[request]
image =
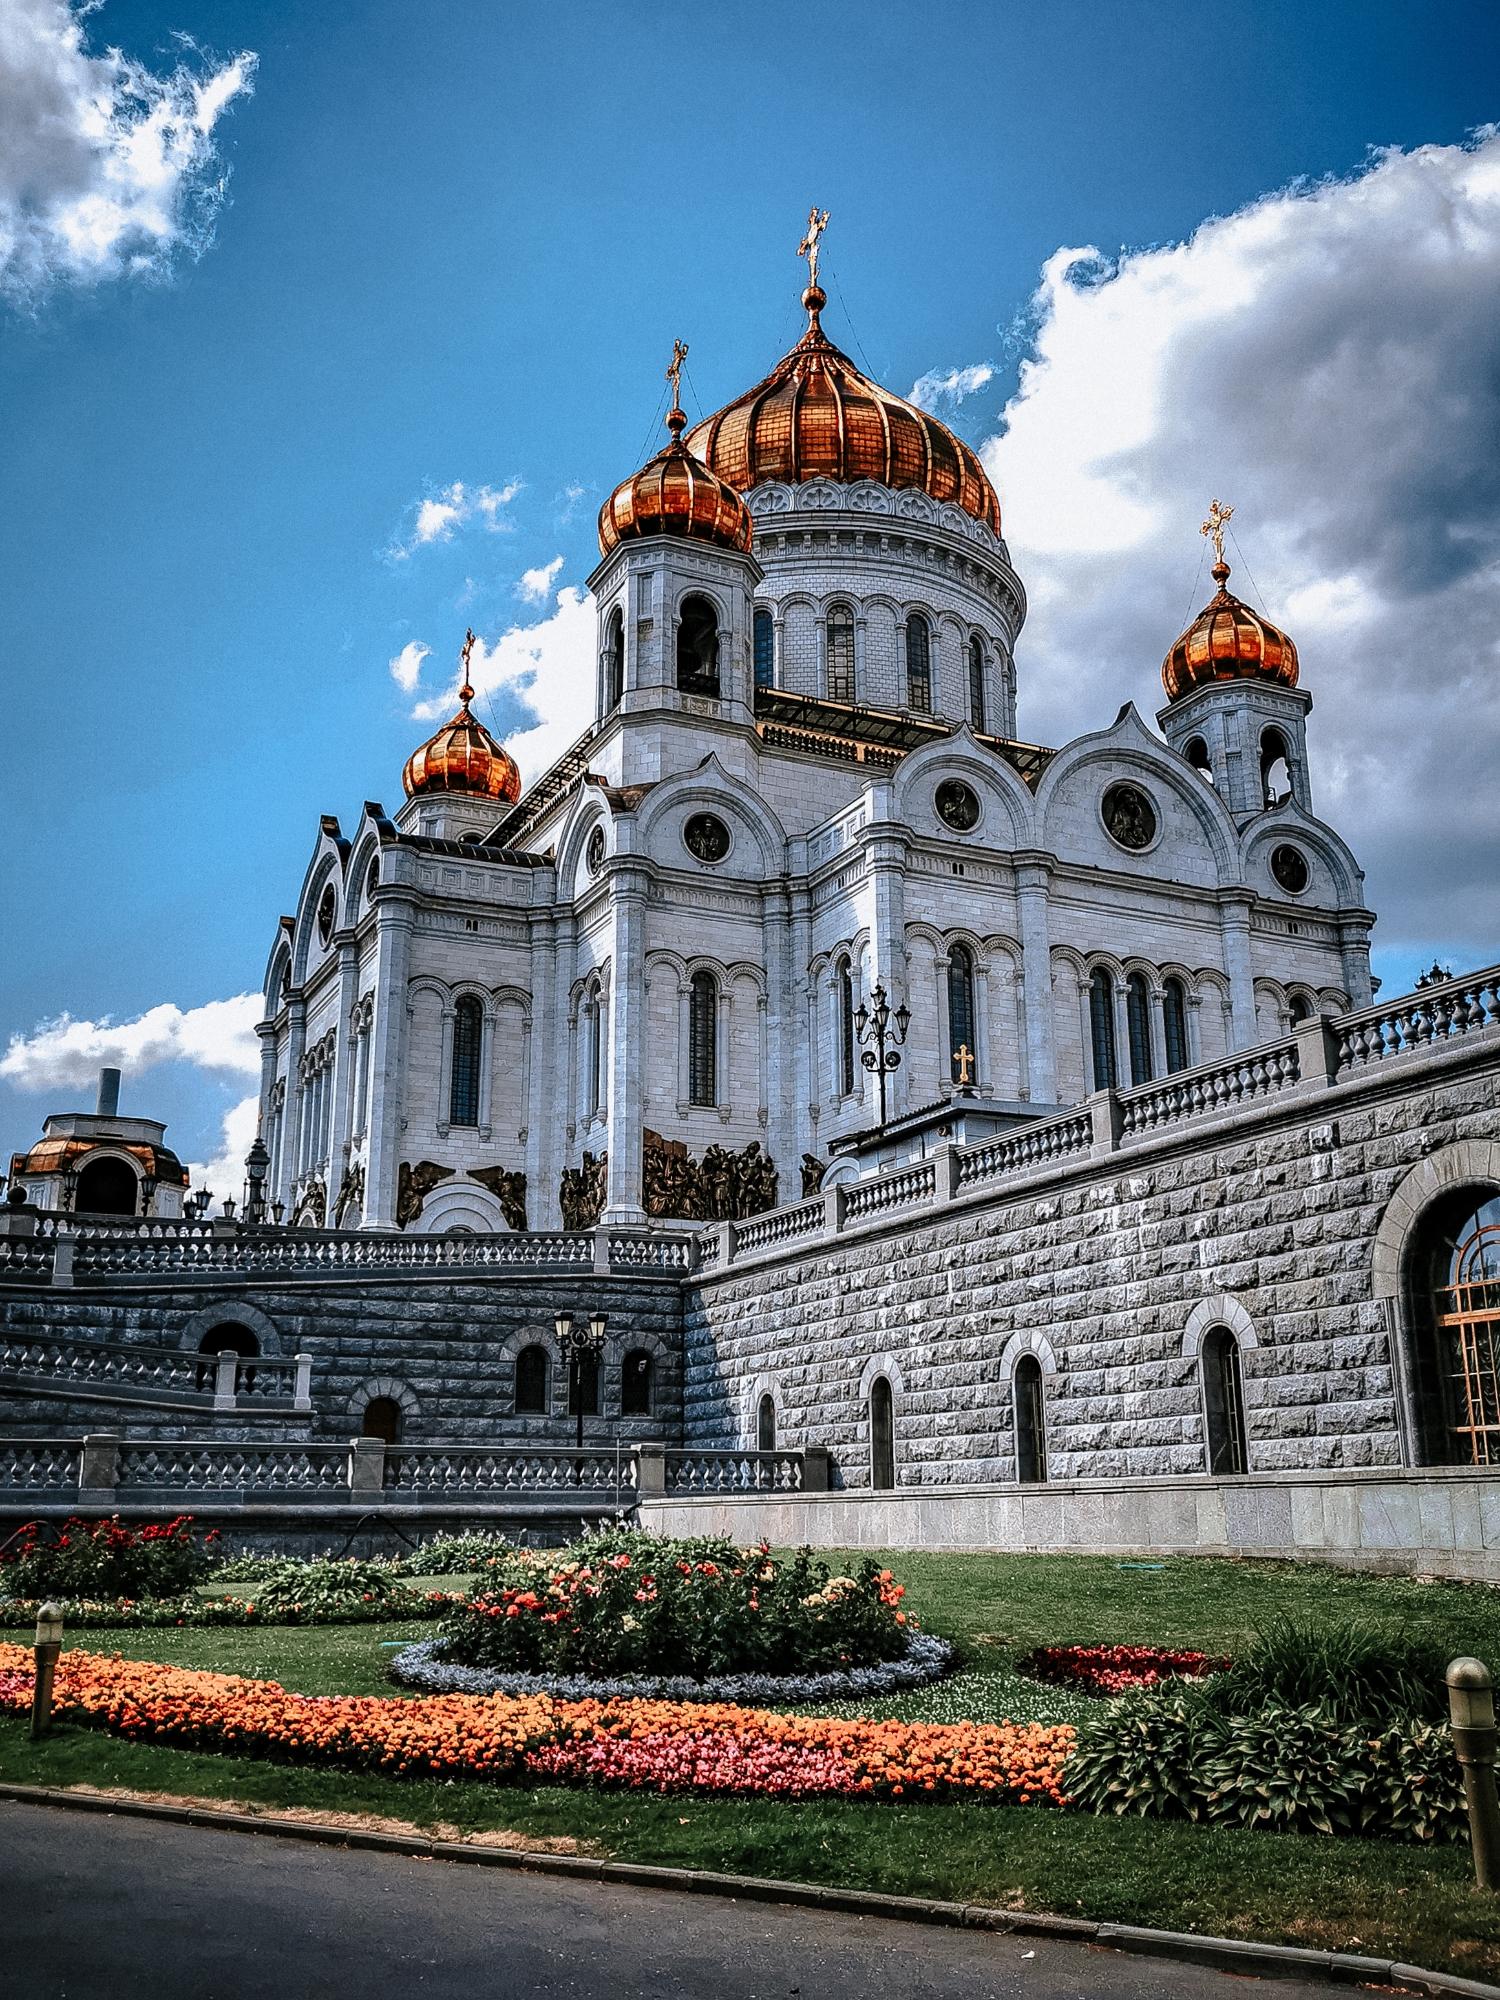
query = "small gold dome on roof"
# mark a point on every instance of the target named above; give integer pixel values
(1227, 640)
(463, 756)
(675, 494)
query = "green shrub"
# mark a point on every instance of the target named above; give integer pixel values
(452, 1555)
(325, 1587)
(624, 1603)
(105, 1559)
(1362, 1672)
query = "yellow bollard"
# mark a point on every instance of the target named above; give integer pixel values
(49, 1633)
(1471, 1710)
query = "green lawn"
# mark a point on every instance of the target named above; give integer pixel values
(1344, 1894)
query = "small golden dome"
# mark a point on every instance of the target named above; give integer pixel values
(1228, 641)
(675, 494)
(463, 756)
(815, 416)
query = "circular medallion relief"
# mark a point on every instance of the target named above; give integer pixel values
(326, 908)
(706, 837)
(1129, 817)
(593, 855)
(957, 805)
(1289, 868)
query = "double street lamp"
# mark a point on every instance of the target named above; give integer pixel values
(882, 1032)
(580, 1344)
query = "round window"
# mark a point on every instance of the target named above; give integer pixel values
(326, 908)
(957, 805)
(1129, 817)
(1289, 868)
(706, 837)
(594, 853)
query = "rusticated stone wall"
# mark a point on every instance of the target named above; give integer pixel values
(1109, 1270)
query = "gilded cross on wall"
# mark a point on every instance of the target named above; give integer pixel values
(1218, 520)
(963, 1055)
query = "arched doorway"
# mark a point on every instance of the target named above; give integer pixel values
(882, 1435)
(1224, 1402)
(228, 1337)
(1455, 1309)
(382, 1419)
(108, 1186)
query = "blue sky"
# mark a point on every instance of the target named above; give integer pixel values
(456, 245)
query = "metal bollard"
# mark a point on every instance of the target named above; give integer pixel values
(1471, 1710)
(49, 1633)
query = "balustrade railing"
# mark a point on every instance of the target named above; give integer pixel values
(779, 1225)
(476, 1471)
(1220, 1086)
(689, 1472)
(899, 1188)
(183, 1470)
(1418, 1021)
(1031, 1146)
(166, 1374)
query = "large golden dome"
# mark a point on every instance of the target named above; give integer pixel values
(1228, 641)
(676, 494)
(463, 756)
(815, 416)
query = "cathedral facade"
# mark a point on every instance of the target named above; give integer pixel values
(645, 988)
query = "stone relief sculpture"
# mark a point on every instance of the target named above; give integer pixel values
(351, 1197)
(582, 1191)
(413, 1185)
(721, 1187)
(508, 1188)
(312, 1209)
(813, 1171)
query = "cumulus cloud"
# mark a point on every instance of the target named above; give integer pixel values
(1328, 359)
(406, 668)
(225, 1172)
(106, 167)
(549, 668)
(439, 516)
(536, 584)
(64, 1052)
(945, 388)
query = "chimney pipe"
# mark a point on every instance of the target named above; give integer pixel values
(109, 1094)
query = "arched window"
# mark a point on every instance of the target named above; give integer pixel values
(962, 1054)
(698, 647)
(765, 1423)
(841, 653)
(1300, 1008)
(583, 1386)
(1224, 1402)
(846, 1028)
(1196, 752)
(918, 664)
(468, 1038)
(1456, 1371)
(1275, 768)
(882, 1436)
(1102, 1029)
(1174, 1021)
(703, 1039)
(976, 683)
(1138, 1024)
(533, 1381)
(635, 1383)
(593, 1050)
(382, 1419)
(765, 649)
(614, 659)
(1031, 1422)
(108, 1187)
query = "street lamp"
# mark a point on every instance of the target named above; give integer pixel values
(873, 1025)
(578, 1344)
(257, 1166)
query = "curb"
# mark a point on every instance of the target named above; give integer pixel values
(1266, 1961)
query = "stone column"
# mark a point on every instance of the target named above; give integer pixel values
(780, 1094)
(1033, 889)
(291, 1110)
(552, 1106)
(1236, 924)
(1158, 1032)
(887, 857)
(800, 1029)
(341, 1123)
(627, 1050)
(396, 921)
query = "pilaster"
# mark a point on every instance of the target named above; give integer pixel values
(397, 921)
(1033, 892)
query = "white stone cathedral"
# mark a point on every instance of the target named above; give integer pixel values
(620, 995)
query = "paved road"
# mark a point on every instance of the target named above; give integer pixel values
(100, 1908)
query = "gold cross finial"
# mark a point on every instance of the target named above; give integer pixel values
(817, 222)
(1218, 520)
(466, 692)
(674, 373)
(963, 1055)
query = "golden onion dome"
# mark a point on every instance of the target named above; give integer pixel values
(815, 416)
(1228, 641)
(675, 494)
(463, 756)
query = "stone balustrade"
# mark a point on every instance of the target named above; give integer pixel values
(1418, 1021)
(44, 1364)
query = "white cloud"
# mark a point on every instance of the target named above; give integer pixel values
(106, 167)
(1328, 360)
(225, 1173)
(406, 668)
(457, 506)
(548, 666)
(536, 584)
(945, 388)
(62, 1053)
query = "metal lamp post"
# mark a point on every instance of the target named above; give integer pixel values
(883, 1033)
(578, 1343)
(49, 1634)
(257, 1166)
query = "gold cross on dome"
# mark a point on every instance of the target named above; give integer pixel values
(466, 692)
(1218, 520)
(674, 373)
(816, 223)
(963, 1055)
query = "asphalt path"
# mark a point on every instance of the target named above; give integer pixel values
(94, 1907)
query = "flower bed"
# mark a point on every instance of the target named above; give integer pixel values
(103, 1558)
(926, 1659)
(124, 1614)
(639, 1745)
(1111, 1670)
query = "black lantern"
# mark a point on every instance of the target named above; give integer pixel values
(883, 1033)
(579, 1343)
